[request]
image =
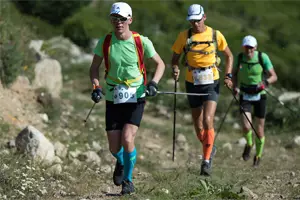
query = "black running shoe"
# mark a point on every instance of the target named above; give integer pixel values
(256, 161)
(118, 174)
(205, 169)
(127, 187)
(247, 151)
(212, 154)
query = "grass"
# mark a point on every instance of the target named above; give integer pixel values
(179, 180)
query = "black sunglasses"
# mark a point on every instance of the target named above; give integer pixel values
(249, 47)
(118, 19)
(196, 20)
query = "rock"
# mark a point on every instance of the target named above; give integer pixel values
(96, 146)
(36, 45)
(182, 142)
(293, 174)
(165, 190)
(297, 140)
(227, 146)
(236, 126)
(60, 149)
(267, 177)
(241, 142)
(48, 75)
(90, 157)
(44, 117)
(21, 84)
(55, 169)
(285, 157)
(74, 154)
(4, 152)
(34, 143)
(11, 144)
(105, 169)
(248, 193)
(57, 160)
(288, 96)
(76, 163)
(141, 157)
(152, 146)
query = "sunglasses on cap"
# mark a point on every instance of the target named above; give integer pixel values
(118, 19)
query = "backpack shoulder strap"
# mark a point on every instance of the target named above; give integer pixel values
(260, 60)
(188, 41)
(239, 61)
(189, 33)
(214, 38)
(215, 41)
(140, 53)
(106, 51)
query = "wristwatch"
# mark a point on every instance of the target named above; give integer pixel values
(229, 76)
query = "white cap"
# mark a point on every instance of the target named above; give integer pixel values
(249, 40)
(121, 8)
(195, 12)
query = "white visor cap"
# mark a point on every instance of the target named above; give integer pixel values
(195, 12)
(121, 8)
(249, 40)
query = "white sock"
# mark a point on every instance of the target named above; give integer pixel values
(206, 161)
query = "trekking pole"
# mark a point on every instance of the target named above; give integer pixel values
(219, 129)
(281, 102)
(183, 93)
(243, 111)
(89, 113)
(174, 119)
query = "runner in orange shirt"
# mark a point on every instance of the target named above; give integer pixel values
(199, 45)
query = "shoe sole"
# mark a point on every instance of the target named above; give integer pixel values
(116, 184)
(131, 193)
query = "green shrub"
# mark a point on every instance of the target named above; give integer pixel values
(75, 31)
(52, 11)
(15, 57)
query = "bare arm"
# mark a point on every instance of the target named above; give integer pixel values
(94, 70)
(160, 68)
(272, 76)
(229, 60)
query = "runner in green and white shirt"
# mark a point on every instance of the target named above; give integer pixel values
(123, 52)
(253, 72)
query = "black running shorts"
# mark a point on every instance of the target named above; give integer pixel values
(117, 115)
(197, 101)
(259, 106)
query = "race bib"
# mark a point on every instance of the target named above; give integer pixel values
(203, 77)
(251, 97)
(124, 94)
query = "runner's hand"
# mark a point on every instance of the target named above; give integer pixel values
(151, 89)
(228, 82)
(236, 91)
(96, 94)
(175, 72)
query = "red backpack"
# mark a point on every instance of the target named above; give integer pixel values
(139, 50)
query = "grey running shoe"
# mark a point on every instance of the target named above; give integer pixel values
(127, 187)
(205, 169)
(256, 161)
(118, 174)
(247, 151)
